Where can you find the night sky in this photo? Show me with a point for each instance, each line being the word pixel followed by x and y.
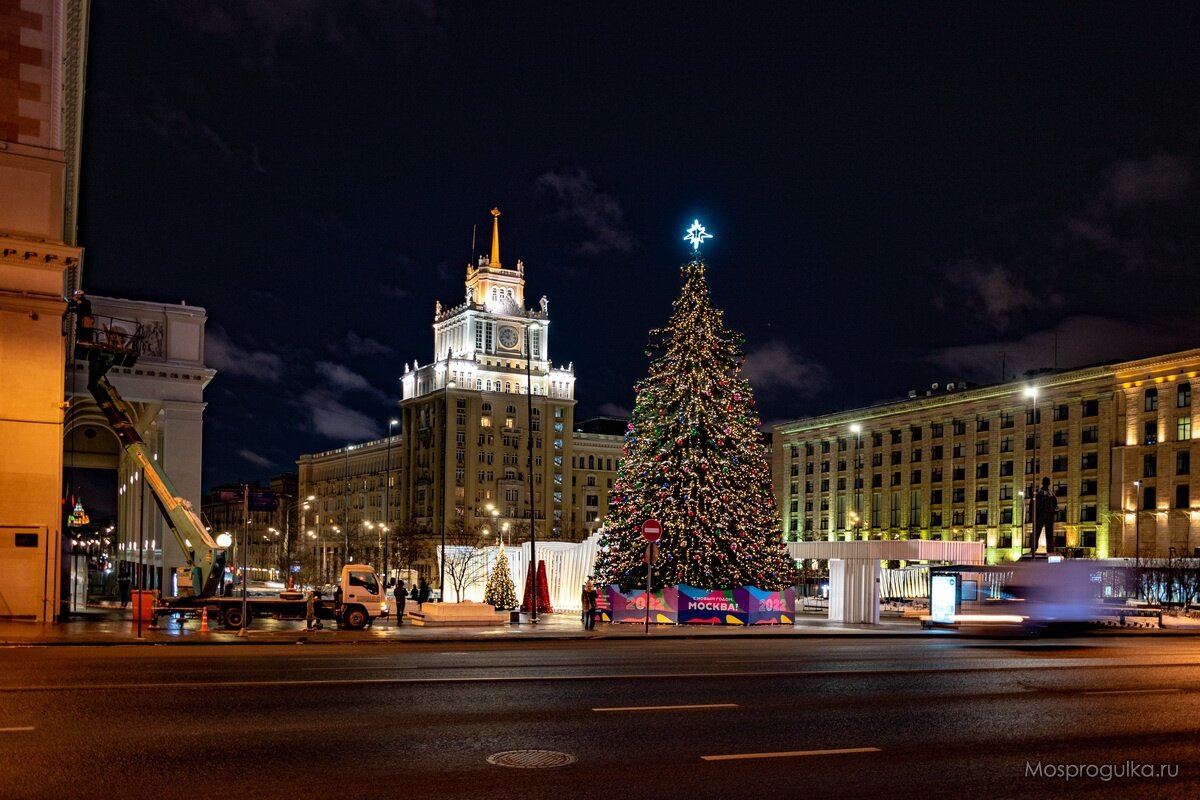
pixel 899 193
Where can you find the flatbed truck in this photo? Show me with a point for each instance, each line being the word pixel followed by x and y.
pixel 363 600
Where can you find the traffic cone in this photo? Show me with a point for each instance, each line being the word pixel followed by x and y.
pixel 204 619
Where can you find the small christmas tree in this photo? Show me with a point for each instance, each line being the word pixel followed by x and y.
pixel 500 591
pixel 694 459
pixel 543 591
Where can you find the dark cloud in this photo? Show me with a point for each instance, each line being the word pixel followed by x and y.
pixel 1074 342
pixel 343 379
pixel 225 356
pixel 774 366
pixel 1098 252
pixel 196 139
pixel 335 420
pixel 254 458
pixel 269 35
pixel 996 293
pixel 358 345
pixel 1157 179
pixel 614 410
pixel 594 219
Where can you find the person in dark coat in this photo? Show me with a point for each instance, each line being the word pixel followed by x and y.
pixel 85 321
pixel 415 595
pixel 422 591
pixel 401 597
pixel 124 584
pixel 589 600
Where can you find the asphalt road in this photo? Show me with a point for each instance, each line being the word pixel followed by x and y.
pixel 730 718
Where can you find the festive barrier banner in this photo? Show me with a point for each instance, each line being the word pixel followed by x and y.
pixel 713 606
pixel 631 607
pixel 771 608
pixel 603 606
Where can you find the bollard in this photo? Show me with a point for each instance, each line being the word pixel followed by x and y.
pixel 204 619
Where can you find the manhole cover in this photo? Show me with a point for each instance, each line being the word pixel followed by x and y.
pixel 531 759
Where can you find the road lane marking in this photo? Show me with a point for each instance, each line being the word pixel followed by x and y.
pixel 793 754
pixel 668 708
pixel 89 687
pixel 1134 691
pixel 17 729
pixel 380 668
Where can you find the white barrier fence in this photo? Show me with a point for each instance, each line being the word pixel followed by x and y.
pixel 568 565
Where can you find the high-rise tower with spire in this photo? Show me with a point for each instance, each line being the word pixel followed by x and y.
pixel 466 415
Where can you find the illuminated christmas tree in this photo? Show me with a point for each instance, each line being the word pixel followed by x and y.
pixel 695 460
pixel 500 591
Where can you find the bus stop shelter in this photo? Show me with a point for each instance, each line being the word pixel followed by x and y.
pixel 854 568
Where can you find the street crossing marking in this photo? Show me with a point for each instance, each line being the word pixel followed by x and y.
pixel 1133 691
pixel 793 754
pixel 668 708
pixel 18 729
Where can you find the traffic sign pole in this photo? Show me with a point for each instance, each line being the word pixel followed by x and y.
pixel 651 532
pixel 649 581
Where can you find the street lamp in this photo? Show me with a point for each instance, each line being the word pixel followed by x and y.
pixel 1031 392
pixel 1137 536
pixel 387 483
pixel 531 572
pixel 856 516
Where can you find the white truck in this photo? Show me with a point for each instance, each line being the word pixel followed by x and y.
pixel 363 600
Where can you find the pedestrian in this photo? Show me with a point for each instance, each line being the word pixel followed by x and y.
pixel 401 597
pixel 590 601
pixel 422 592
pixel 311 620
pixel 414 595
pixel 124 584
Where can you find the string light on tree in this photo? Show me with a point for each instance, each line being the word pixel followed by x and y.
pixel 694 458
pixel 500 591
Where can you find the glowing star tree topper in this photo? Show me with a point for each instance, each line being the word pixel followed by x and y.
pixel 696 235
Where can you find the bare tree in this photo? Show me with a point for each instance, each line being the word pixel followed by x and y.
pixel 465 557
pixel 409 545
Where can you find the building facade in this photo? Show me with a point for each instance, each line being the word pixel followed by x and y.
pixel 41 100
pixel 350 504
pixel 958 462
pixel 165 389
pixel 270 537
pixel 488 433
pixel 488 404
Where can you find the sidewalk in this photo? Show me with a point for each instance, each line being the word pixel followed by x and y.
pixel 114 626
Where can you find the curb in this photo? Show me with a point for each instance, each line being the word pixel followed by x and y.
pixel 278 640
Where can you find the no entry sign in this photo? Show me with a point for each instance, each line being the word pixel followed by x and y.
pixel 651 530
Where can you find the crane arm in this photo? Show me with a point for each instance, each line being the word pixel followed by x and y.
pixel 205 557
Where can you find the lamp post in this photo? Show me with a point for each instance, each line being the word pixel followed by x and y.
pixel 1031 392
pixel 346 506
pixel 1137 536
pixel 856 517
pixel 303 520
pixel 387 483
pixel 445 445
pixel 531 572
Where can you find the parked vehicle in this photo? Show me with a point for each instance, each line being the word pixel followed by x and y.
pixel 363 601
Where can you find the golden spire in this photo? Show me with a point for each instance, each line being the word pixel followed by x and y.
pixel 495 237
